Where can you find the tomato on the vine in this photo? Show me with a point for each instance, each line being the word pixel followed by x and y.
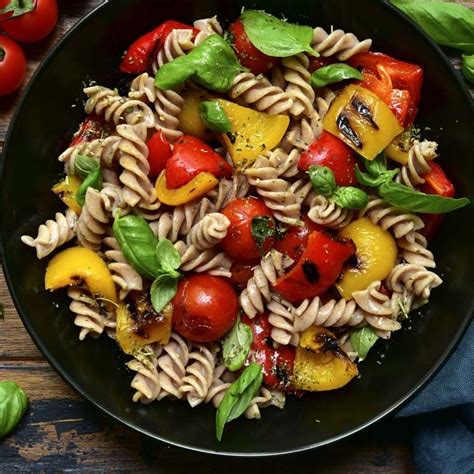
pixel 12 65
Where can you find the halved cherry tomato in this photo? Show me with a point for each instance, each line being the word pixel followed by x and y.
pixel 241 274
pixel 296 239
pixel 93 127
pixel 139 55
pixel 328 150
pixel 319 62
pixel 205 308
pixel 159 152
pixel 249 56
pixel 192 156
pixel 35 25
pixel 277 364
pixel 239 242
pixel 12 66
pixel 318 268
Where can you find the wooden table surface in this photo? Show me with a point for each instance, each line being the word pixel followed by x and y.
pixel 61 431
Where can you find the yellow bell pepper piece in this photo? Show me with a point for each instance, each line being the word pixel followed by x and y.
pixel 252 134
pixel 376 253
pixel 320 364
pixel 128 329
pixel 196 188
pixel 67 190
pixel 80 265
pixel 190 122
pixel 399 148
pixel 362 120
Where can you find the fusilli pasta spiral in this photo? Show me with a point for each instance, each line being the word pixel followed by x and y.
pixel 264 399
pixel 209 231
pixel 177 44
pixel 328 213
pixel 414 250
pixel 228 190
pixel 419 157
pixel 146 380
pixel 281 316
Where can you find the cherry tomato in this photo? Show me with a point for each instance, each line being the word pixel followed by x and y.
pixel 296 239
pixel 205 308
pixel 35 25
pixel 159 152
pixel 249 56
pixel 319 62
pixel 12 65
pixel 239 242
pixel 241 274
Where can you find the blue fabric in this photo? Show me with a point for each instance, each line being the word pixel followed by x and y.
pixel 443 412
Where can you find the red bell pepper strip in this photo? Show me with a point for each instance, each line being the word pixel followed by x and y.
pixel 436 182
pixel 328 150
pixel 139 55
pixel 192 156
pixel 92 128
pixel 398 83
pixel 159 152
pixel 318 268
pixel 277 363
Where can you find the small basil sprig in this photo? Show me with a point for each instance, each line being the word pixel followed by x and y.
pixel 214 117
pixel 333 73
pixel 276 37
pixel 213 64
pixel 468 67
pixel 13 405
pixel 362 341
pixel 88 169
pixel 263 227
pixel 238 397
pixel 83 165
pixel 236 346
pixel 377 172
pixel 324 182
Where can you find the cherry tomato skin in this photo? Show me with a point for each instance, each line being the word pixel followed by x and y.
pixel 12 65
pixel 205 308
pixel 35 25
pixel 239 242
pixel 159 152
pixel 249 56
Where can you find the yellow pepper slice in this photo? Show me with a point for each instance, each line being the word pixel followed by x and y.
pixel 399 148
pixel 362 120
pixel 196 188
pixel 67 190
pixel 190 122
pixel 79 265
pixel 158 330
pixel 320 364
pixel 252 134
pixel 376 254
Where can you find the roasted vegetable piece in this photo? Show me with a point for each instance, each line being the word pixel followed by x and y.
pixel 362 120
pixel 78 266
pixel 66 190
pixel 318 268
pixel 253 133
pixel 196 188
pixel 375 256
pixel 159 152
pixel 320 363
pixel 190 122
pixel 139 325
pixel 92 128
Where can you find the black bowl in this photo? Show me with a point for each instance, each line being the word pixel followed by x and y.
pixel 41 129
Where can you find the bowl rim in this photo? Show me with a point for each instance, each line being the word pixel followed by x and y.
pixel 462 86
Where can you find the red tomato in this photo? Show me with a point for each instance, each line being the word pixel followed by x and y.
pixel 35 25
pixel 296 239
pixel 192 156
pixel 328 150
pixel 241 274
pixel 12 65
pixel 92 128
pixel 249 56
pixel 205 308
pixel 239 242
pixel 159 152
pixel 319 62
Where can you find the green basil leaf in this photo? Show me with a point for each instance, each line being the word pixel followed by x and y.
pixel 334 73
pixel 276 37
pixel 410 200
pixel 263 227
pixel 236 346
pixel 213 64
pixel 323 180
pixel 168 257
pixel 13 405
pixel 377 166
pixel 93 180
pixel 238 397
pixel 449 24
pixel 368 180
pixel 468 67
pixel 362 341
pixel 350 197
pixel 162 291
pixel 214 117
pixel 138 244
pixel 84 165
